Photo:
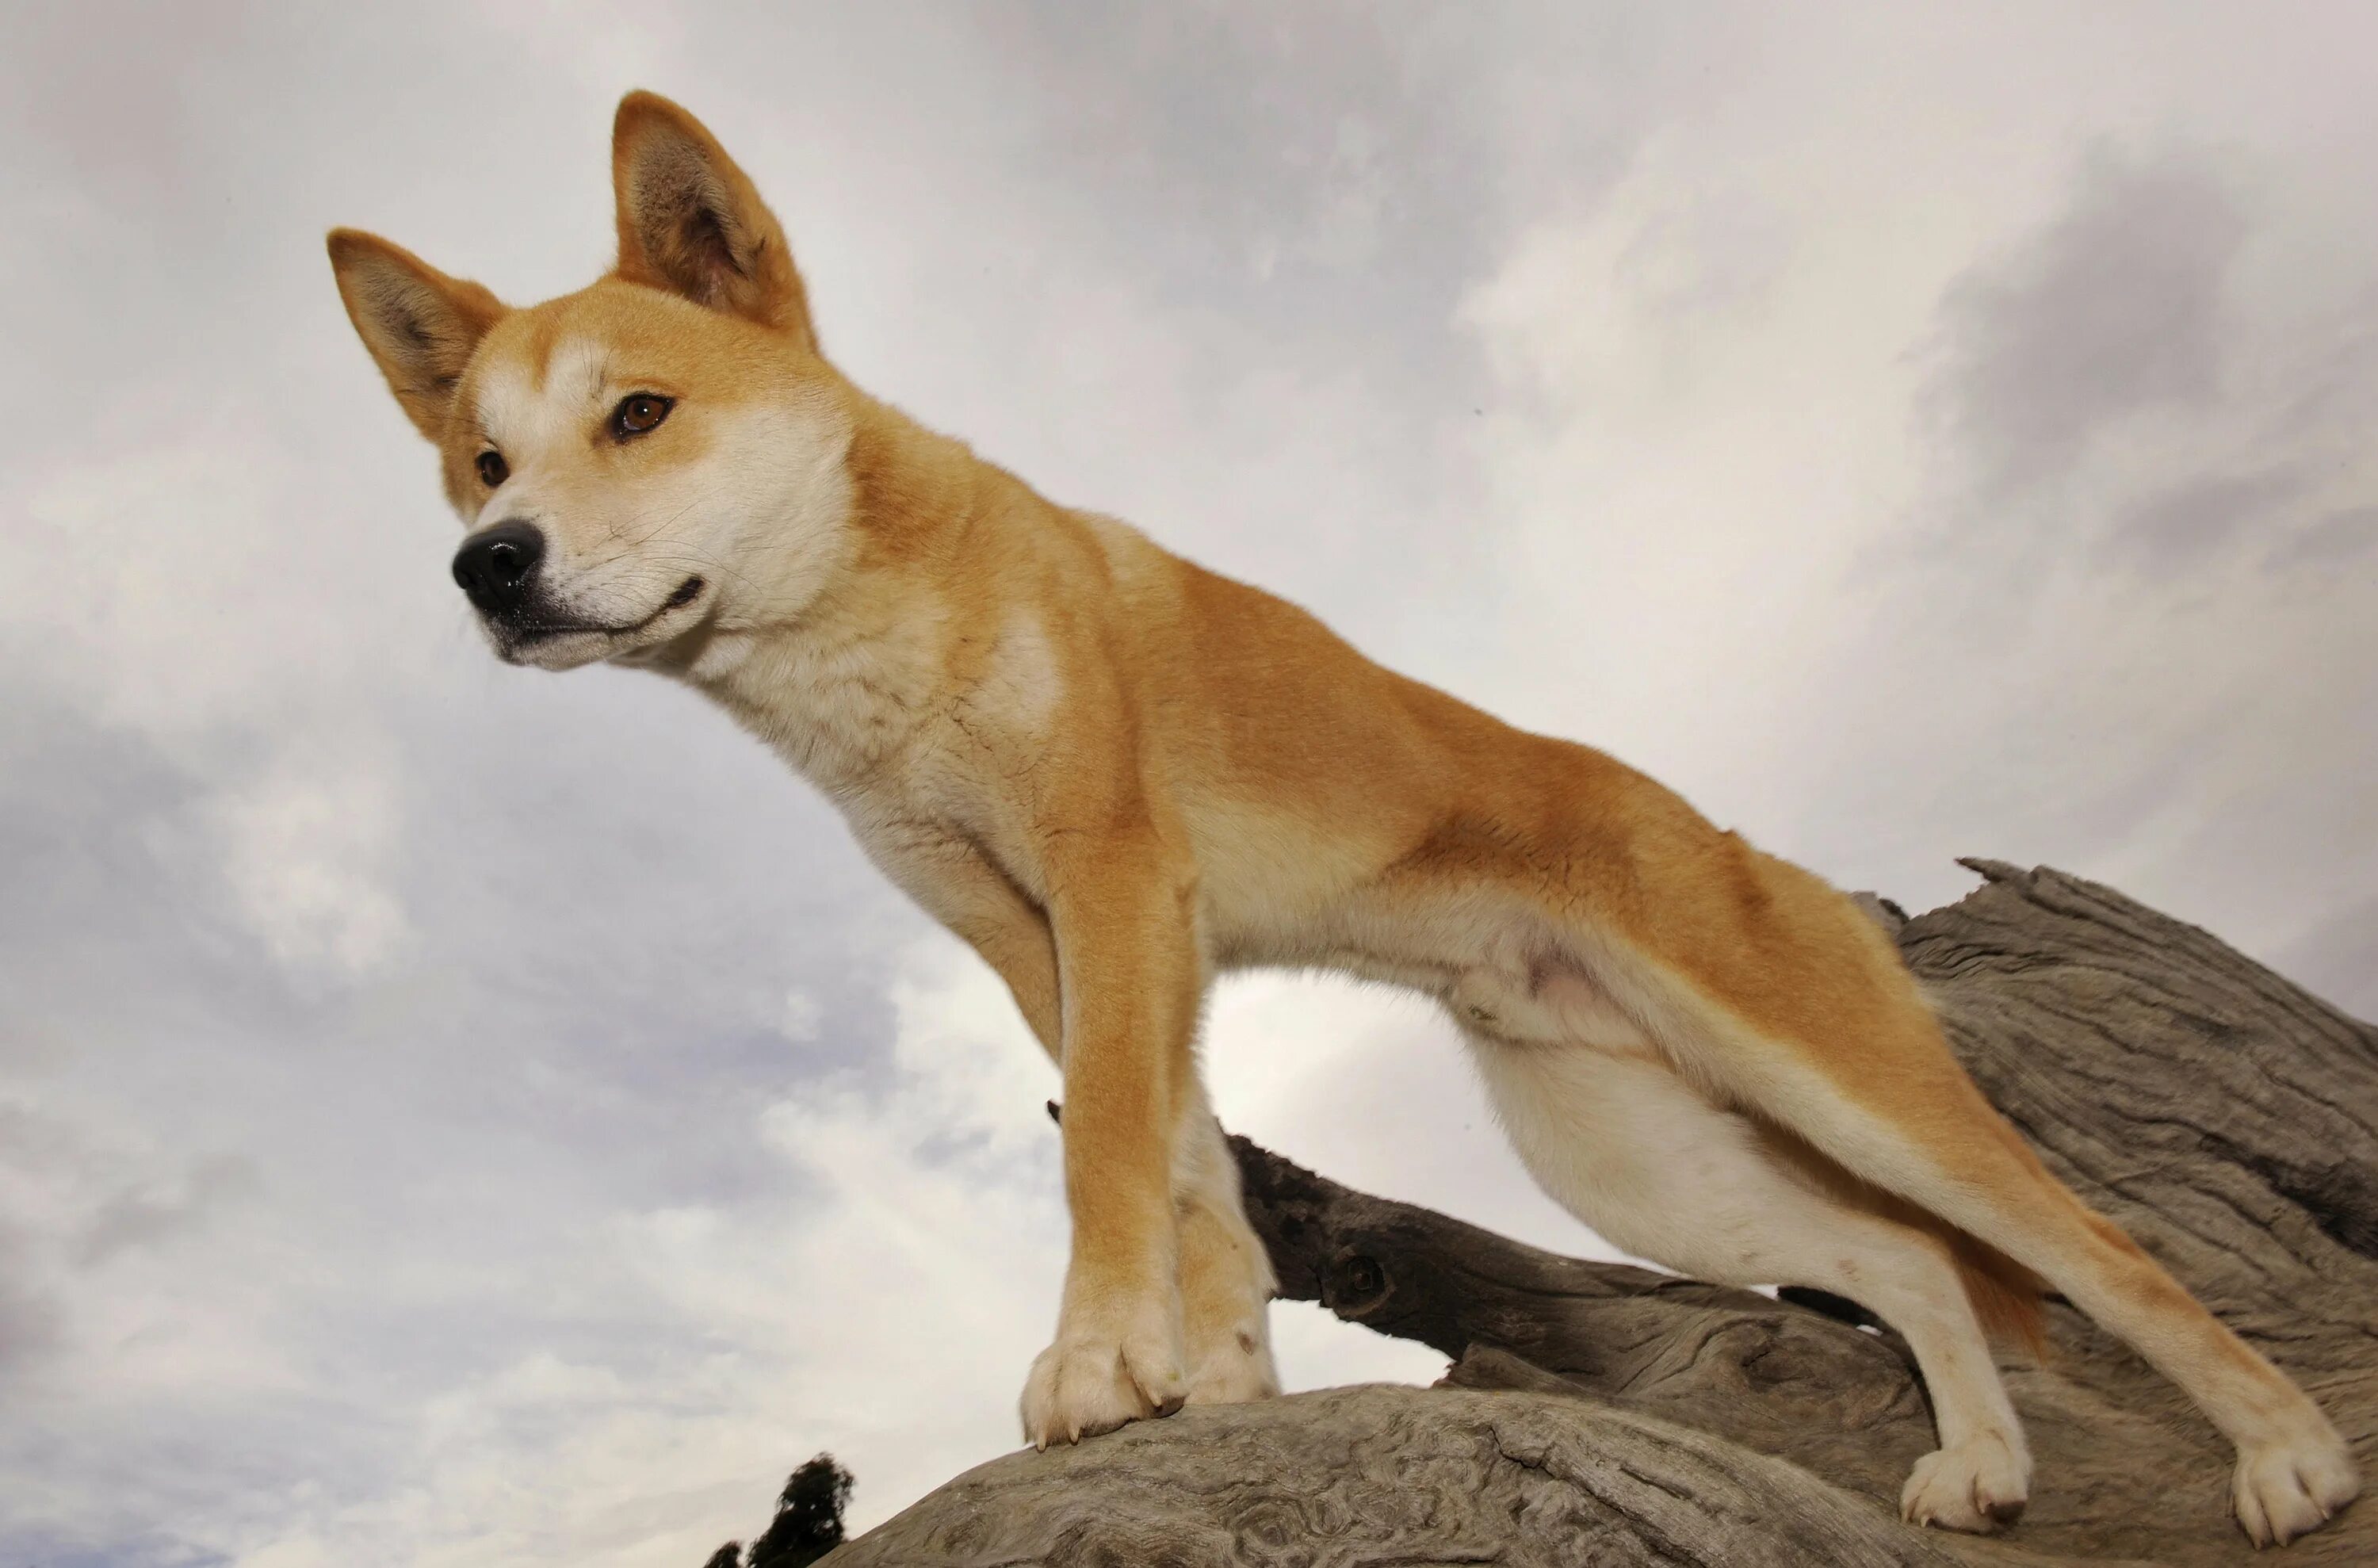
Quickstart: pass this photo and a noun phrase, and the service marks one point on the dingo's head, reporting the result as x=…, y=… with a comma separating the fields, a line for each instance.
x=646, y=463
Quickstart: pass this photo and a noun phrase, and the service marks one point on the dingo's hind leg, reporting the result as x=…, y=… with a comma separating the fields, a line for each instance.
x=1619, y=1138
x=1884, y=1097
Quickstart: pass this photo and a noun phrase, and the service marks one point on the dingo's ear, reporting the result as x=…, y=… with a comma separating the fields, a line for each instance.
x=692, y=223
x=420, y=325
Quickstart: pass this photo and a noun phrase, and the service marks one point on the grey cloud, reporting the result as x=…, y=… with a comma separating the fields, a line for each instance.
x=1310, y=173
x=2329, y=540
x=2128, y=304
x=2177, y=529
x=31, y=1317
x=148, y=1215
x=2115, y=307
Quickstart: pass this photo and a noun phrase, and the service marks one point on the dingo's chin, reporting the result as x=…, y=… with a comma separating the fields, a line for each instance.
x=558, y=640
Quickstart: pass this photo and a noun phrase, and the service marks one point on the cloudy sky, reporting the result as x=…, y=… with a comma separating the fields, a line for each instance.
x=458, y=1115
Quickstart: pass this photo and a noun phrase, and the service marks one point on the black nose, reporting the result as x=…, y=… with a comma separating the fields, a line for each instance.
x=494, y=566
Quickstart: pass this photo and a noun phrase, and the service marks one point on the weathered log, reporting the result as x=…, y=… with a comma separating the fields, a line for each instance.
x=1598, y=1413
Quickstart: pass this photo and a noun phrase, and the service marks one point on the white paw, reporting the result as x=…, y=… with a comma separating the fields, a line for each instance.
x=1979, y=1486
x=1232, y=1368
x=1094, y=1379
x=2282, y=1489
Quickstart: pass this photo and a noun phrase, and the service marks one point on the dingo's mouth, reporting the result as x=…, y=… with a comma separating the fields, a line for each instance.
x=521, y=636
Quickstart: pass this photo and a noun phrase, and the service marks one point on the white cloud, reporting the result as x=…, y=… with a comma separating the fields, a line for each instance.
x=1370, y=1087
x=308, y=846
x=176, y=586
x=802, y=1016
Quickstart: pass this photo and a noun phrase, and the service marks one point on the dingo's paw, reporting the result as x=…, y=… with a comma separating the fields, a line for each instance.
x=2282, y=1489
x=1978, y=1487
x=1094, y=1380
x=1233, y=1367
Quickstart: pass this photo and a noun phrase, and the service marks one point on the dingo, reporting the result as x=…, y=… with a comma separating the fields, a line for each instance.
x=1117, y=775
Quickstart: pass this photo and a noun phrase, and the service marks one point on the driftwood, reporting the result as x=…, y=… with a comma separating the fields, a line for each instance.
x=1597, y=1413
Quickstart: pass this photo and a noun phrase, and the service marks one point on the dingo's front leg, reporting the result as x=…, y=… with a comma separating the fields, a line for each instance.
x=1123, y=915
x=1226, y=1278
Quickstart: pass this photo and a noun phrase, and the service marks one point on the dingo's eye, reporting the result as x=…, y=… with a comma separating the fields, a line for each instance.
x=493, y=469
x=637, y=413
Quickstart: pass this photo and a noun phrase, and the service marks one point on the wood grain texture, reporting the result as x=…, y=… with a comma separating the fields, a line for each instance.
x=1597, y=1413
